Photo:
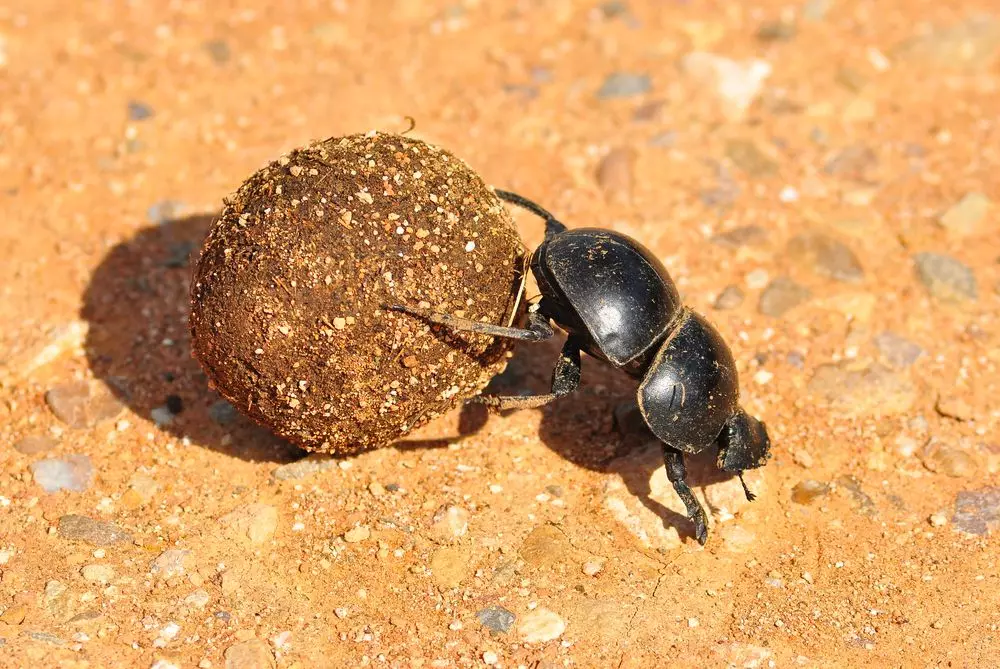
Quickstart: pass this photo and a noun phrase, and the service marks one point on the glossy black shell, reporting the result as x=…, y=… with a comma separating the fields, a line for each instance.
x=692, y=388
x=608, y=289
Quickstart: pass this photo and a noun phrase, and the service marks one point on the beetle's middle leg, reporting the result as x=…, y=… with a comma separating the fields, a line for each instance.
x=565, y=380
x=676, y=474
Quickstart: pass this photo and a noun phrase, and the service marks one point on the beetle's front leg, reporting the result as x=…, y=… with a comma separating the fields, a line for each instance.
x=676, y=474
x=538, y=325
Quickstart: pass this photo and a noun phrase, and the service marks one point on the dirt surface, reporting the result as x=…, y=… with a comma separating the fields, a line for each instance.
x=818, y=176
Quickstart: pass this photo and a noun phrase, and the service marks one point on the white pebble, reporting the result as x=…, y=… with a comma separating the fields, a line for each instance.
x=756, y=279
x=470, y=247
x=490, y=658
x=763, y=377
x=692, y=622
x=788, y=194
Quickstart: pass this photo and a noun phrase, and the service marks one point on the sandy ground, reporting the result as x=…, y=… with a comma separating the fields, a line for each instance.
x=819, y=178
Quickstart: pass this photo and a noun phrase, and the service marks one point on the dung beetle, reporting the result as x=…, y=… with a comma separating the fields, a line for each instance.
x=617, y=303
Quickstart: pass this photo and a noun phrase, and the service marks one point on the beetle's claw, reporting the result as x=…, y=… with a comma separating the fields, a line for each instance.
x=746, y=491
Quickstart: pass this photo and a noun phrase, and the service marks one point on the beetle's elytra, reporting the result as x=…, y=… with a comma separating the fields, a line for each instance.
x=617, y=303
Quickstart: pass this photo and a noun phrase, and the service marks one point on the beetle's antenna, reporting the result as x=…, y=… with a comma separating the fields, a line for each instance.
x=552, y=226
x=413, y=124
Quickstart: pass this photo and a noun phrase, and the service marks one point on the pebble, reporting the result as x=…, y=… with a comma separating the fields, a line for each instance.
x=624, y=85
x=541, y=625
x=816, y=10
x=735, y=84
x=782, y=295
x=223, y=413
x=164, y=211
x=873, y=390
x=35, y=444
x=98, y=573
x=615, y=174
x=593, y=567
x=169, y=563
x=255, y=521
x=307, y=466
x=730, y=298
x=747, y=156
x=163, y=664
x=218, y=50
x=826, y=257
x=496, y=619
x=546, y=546
x=162, y=416
x=198, y=598
x=83, y=404
x=450, y=523
x=977, y=511
x=946, y=278
x=971, y=44
x=746, y=235
x=94, y=532
x=851, y=162
x=249, y=654
x=808, y=491
x=948, y=460
x=139, y=111
x=955, y=407
x=449, y=566
x=938, y=520
x=490, y=658
x=73, y=472
x=897, y=351
x=965, y=217
x=357, y=534
x=776, y=31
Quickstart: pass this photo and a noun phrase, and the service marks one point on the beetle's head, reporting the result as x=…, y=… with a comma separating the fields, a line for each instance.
x=743, y=444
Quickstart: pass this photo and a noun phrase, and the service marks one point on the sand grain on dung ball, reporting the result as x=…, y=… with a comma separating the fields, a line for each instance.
x=286, y=316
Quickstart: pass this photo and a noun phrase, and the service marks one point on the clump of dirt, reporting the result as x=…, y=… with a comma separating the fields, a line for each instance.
x=288, y=316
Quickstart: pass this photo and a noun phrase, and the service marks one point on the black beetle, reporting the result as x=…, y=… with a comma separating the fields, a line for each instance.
x=618, y=304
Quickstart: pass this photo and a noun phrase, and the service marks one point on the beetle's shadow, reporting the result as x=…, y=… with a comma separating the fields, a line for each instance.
x=600, y=427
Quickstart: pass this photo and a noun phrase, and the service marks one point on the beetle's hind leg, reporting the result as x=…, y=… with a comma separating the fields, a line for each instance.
x=676, y=474
x=538, y=325
x=565, y=380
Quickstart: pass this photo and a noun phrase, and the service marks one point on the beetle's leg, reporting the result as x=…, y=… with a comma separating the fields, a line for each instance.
x=565, y=380
x=552, y=226
x=538, y=325
x=676, y=473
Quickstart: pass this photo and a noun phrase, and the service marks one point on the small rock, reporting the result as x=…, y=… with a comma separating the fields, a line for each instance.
x=198, y=599
x=35, y=444
x=971, y=44
x=747, y=156
x=808, y=491
x=98, y=573
x=139, y=111
x=730, y=298
x=83, y=405
x=490, y=658
x=450, y=566
x=224, y=413
x=624, y=85
x=94, y=532
x=163, y=664
x=734, y=83
x=776, y=31
x=74, y=472
x=977, y=511
x=938, y=520
x=873, y=390
x=218, y=50
x=541, y=625
x=307, y=466
x=592, y=567
x=954, y=407
x=966, y=217
x=852, y=162
x=546, y=546
x=746, y=235
x=164, y=211
x=14, y=615
x=826, y=257
x=866, y=504
x=615, y=175
x=496, y=619
x=249, y=654
x=816, y=10
x=946, y=278
x=45, y=637
x=948, y=460
x=169, y=563
x=257, y=522
x=781, y=296
x=162, y=416
x=450, y=523
x=897, y=351
x=357, y=534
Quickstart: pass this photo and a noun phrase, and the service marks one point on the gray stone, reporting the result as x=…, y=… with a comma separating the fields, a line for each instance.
x=94, y=532
x=218, y=50
x=163, y=211
x=139, y=111
x=946, y=278
x=44, y=637
x=977, y=511
x=781, y=296
x=162, y=416
x=826, y=256
x=34, y=444
x=897, y=351
x=624, y=85
x=83, y=404
x=307, y=466
x=730, y=298
x=496, y=619
x=74, y=472
x=223, y=413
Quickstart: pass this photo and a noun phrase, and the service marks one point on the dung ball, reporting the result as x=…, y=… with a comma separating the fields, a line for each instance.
x=287, y=299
